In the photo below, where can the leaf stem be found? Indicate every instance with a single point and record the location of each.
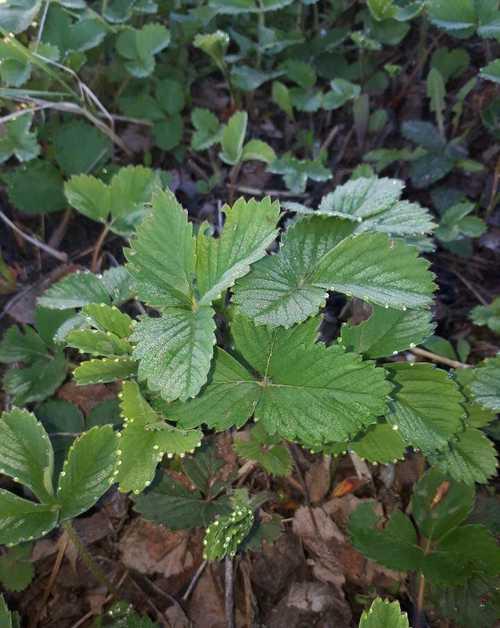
(229, 591)
(98, 247)
(423, 353)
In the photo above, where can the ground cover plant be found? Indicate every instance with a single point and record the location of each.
(249, 278)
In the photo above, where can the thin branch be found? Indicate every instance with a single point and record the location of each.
(229, 591)
(261, 192)
(62, 257)
(194, 581)
(423, 353)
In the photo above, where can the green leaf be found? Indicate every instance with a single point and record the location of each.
(108, 319)
(214, 45)
(225, 535)
(37, 381)
(170, 94)
(168, 133)
(22, 520)
(175, 506)
(296, 172)
(15, 68)
(97, 343)
(175, 351)
(436, 91)
(233, 137)
(138, 47)
(16, 569)
(281, 96)
(380, 444)
(394, 546)
(258, 151)
(341, 92)
(207, 129)
(145, 439)
(450, 63)
(382, 10)
(75, 290)
(280, 396)
(427, 405)
(17, 139)
(250, 227)
(456, 16)
(104, 371)
(382, 613)
(469, 458)
(17, 15)
(235, 7)
(487, 315)
(268, 451)
(26, 453)
(491, 72)
(387, 332)
(35, 187)
(22, 345)
(94, 152)
(485, 387)
(68, 36)
(88, 472)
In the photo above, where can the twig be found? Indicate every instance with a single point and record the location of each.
(229, 591)
(259, 192)
(97, 248)
(194, 581)
(330, 137)
(468, 285)
(423, 353)
(62, 257)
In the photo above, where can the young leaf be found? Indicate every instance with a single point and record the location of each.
(214, 45)
(258, 151)
(16, 568)
(88, 472)
(138, 47)
(233, 137)
(322, 409)
(269, 451)
(296, 172)
(384, 614)
(427, 407)
(380, 444)
(109, 319)
(18, 141)
(207, 129)
(487, 315)
(387, 332)
(225, 535)
(22, 520)
(145, 439)
(22, 345)
(26, 454)
(97, 343)
(105, 370)
(485, 386)
(17, 15)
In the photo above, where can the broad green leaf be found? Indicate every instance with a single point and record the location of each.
(470, 457)
(22, 345)
(250, 227)
(226, 534)
(485, 387)
(15, 68)
(175, 506)
(233, 137)
(322, 409)
(26, 454)
(163, 279)
(439, 505)
(382, 613)
(456, 16)
(491, 72)
(487, 315)
(269, 451)
(341, 92)
(427, 405)
(94, 151)
(35, 187)
(170, 94)
(22, 520)
(235, 7)
(207, 129)
(69, 36)
(97, 343)
(109, 319)
(18, 141)
(17, 15)
(88, 472)
(214, 45)
(296, 172)
(468, 605)
(387, 332)
(382, 9)
(394, 546)
(16, 568)
(105, 370)
(450, 63)
(380, 444)
(75, 290)
(175, 351)
(259, 151)
(168, 132)
(248, 79)
(139, 47)
(145, 439)
(37, 381)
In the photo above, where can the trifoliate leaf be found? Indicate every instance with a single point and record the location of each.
(248, 230)
(207, 129)
(88, 472)
(440, 504)
(26, 454)
(214, 45)
(296, 172)
(175, 506)
(105, 370)
(382, 613)
(175, 351)
(16, 568)
(35, 187)
(485, 387)
(487, 315)
(387, 332)
(426, 407)
(269, 451)
(17, 15)
(18, 141)
(94, 147)
(233, 137)
(68, 36)
(37, 381)
(108, 319)
(22, 520)
(470, 457)
(341, 394)
(380, 444)
(316, 257)
(145, 439)
(225, 535)
(394, 546)
(139, 47)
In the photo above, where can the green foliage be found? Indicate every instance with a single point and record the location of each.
(228, 532)
(491, 72)
(35, 187)
(18, 140)
(485, 386)
(16, 568)
(94, 151)
(269, 451)
(384, 614)
(138, 47)
(234, 149)
(297, 172)
(8, 619)
(487, 315)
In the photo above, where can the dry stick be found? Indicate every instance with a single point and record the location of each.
(194, 581)
(62, 257)
(97, 248)
(423, 353)
(261, 192)
(229, 591)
